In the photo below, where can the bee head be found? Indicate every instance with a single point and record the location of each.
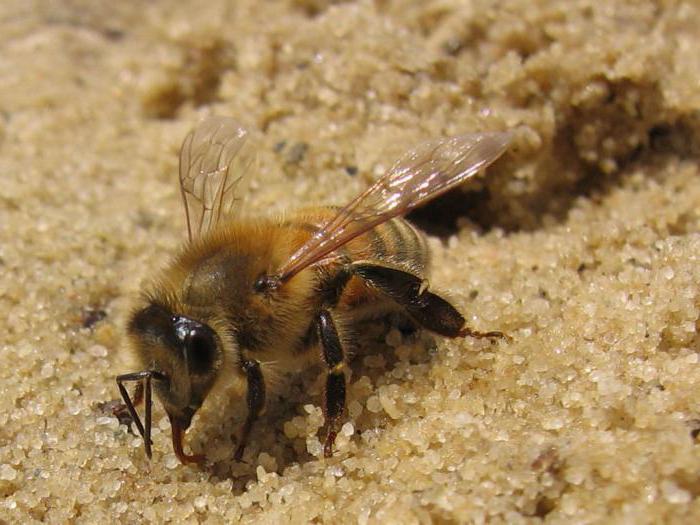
(185, 353)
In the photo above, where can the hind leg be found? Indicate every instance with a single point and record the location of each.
(429, 310)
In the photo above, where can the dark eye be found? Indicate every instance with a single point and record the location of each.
(200, 346)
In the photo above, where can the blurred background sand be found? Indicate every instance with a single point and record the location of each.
(582, 243)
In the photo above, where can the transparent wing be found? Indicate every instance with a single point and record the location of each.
(421, 174)
(214, 158)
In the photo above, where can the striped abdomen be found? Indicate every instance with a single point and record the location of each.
(395, 242)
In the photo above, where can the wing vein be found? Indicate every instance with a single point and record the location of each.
(215, 159)
(420, 175)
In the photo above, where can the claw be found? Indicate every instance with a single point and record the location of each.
(468, 332)
(328, 445)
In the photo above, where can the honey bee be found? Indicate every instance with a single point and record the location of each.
(246, 293)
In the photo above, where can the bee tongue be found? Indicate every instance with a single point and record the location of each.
(178, 434)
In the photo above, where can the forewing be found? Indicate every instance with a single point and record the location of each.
(214, 159)
(420, 175)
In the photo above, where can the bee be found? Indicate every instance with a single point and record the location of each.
(248, 292)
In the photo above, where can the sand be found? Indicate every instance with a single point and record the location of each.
(582, 243)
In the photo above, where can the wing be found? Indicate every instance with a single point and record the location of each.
(214, 158)
(420, 175)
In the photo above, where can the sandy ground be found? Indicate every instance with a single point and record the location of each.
(582, 243)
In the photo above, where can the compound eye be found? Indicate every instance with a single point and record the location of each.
(200, 346)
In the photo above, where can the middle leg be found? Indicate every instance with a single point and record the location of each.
(334, 394)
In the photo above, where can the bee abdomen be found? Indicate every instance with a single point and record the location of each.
(405, 244)
(395, 241)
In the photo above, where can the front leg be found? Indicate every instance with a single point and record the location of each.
(334, 394)
(121, 410)
(144, 384)
(255, 400)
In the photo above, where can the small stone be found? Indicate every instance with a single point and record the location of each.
(354, 409)
(673, 493)
(268, 462)
(7, 473)
(393, 338)
(389, 406)
(314, 447)
(667, 273)
(47, 370)
(373, 404)
(97, 351)
(347, 429)
(171, 462)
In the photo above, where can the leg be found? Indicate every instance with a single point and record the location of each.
(121, 411)
(428, 309)
(334, 395)
(144, 383)
(255, 400)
